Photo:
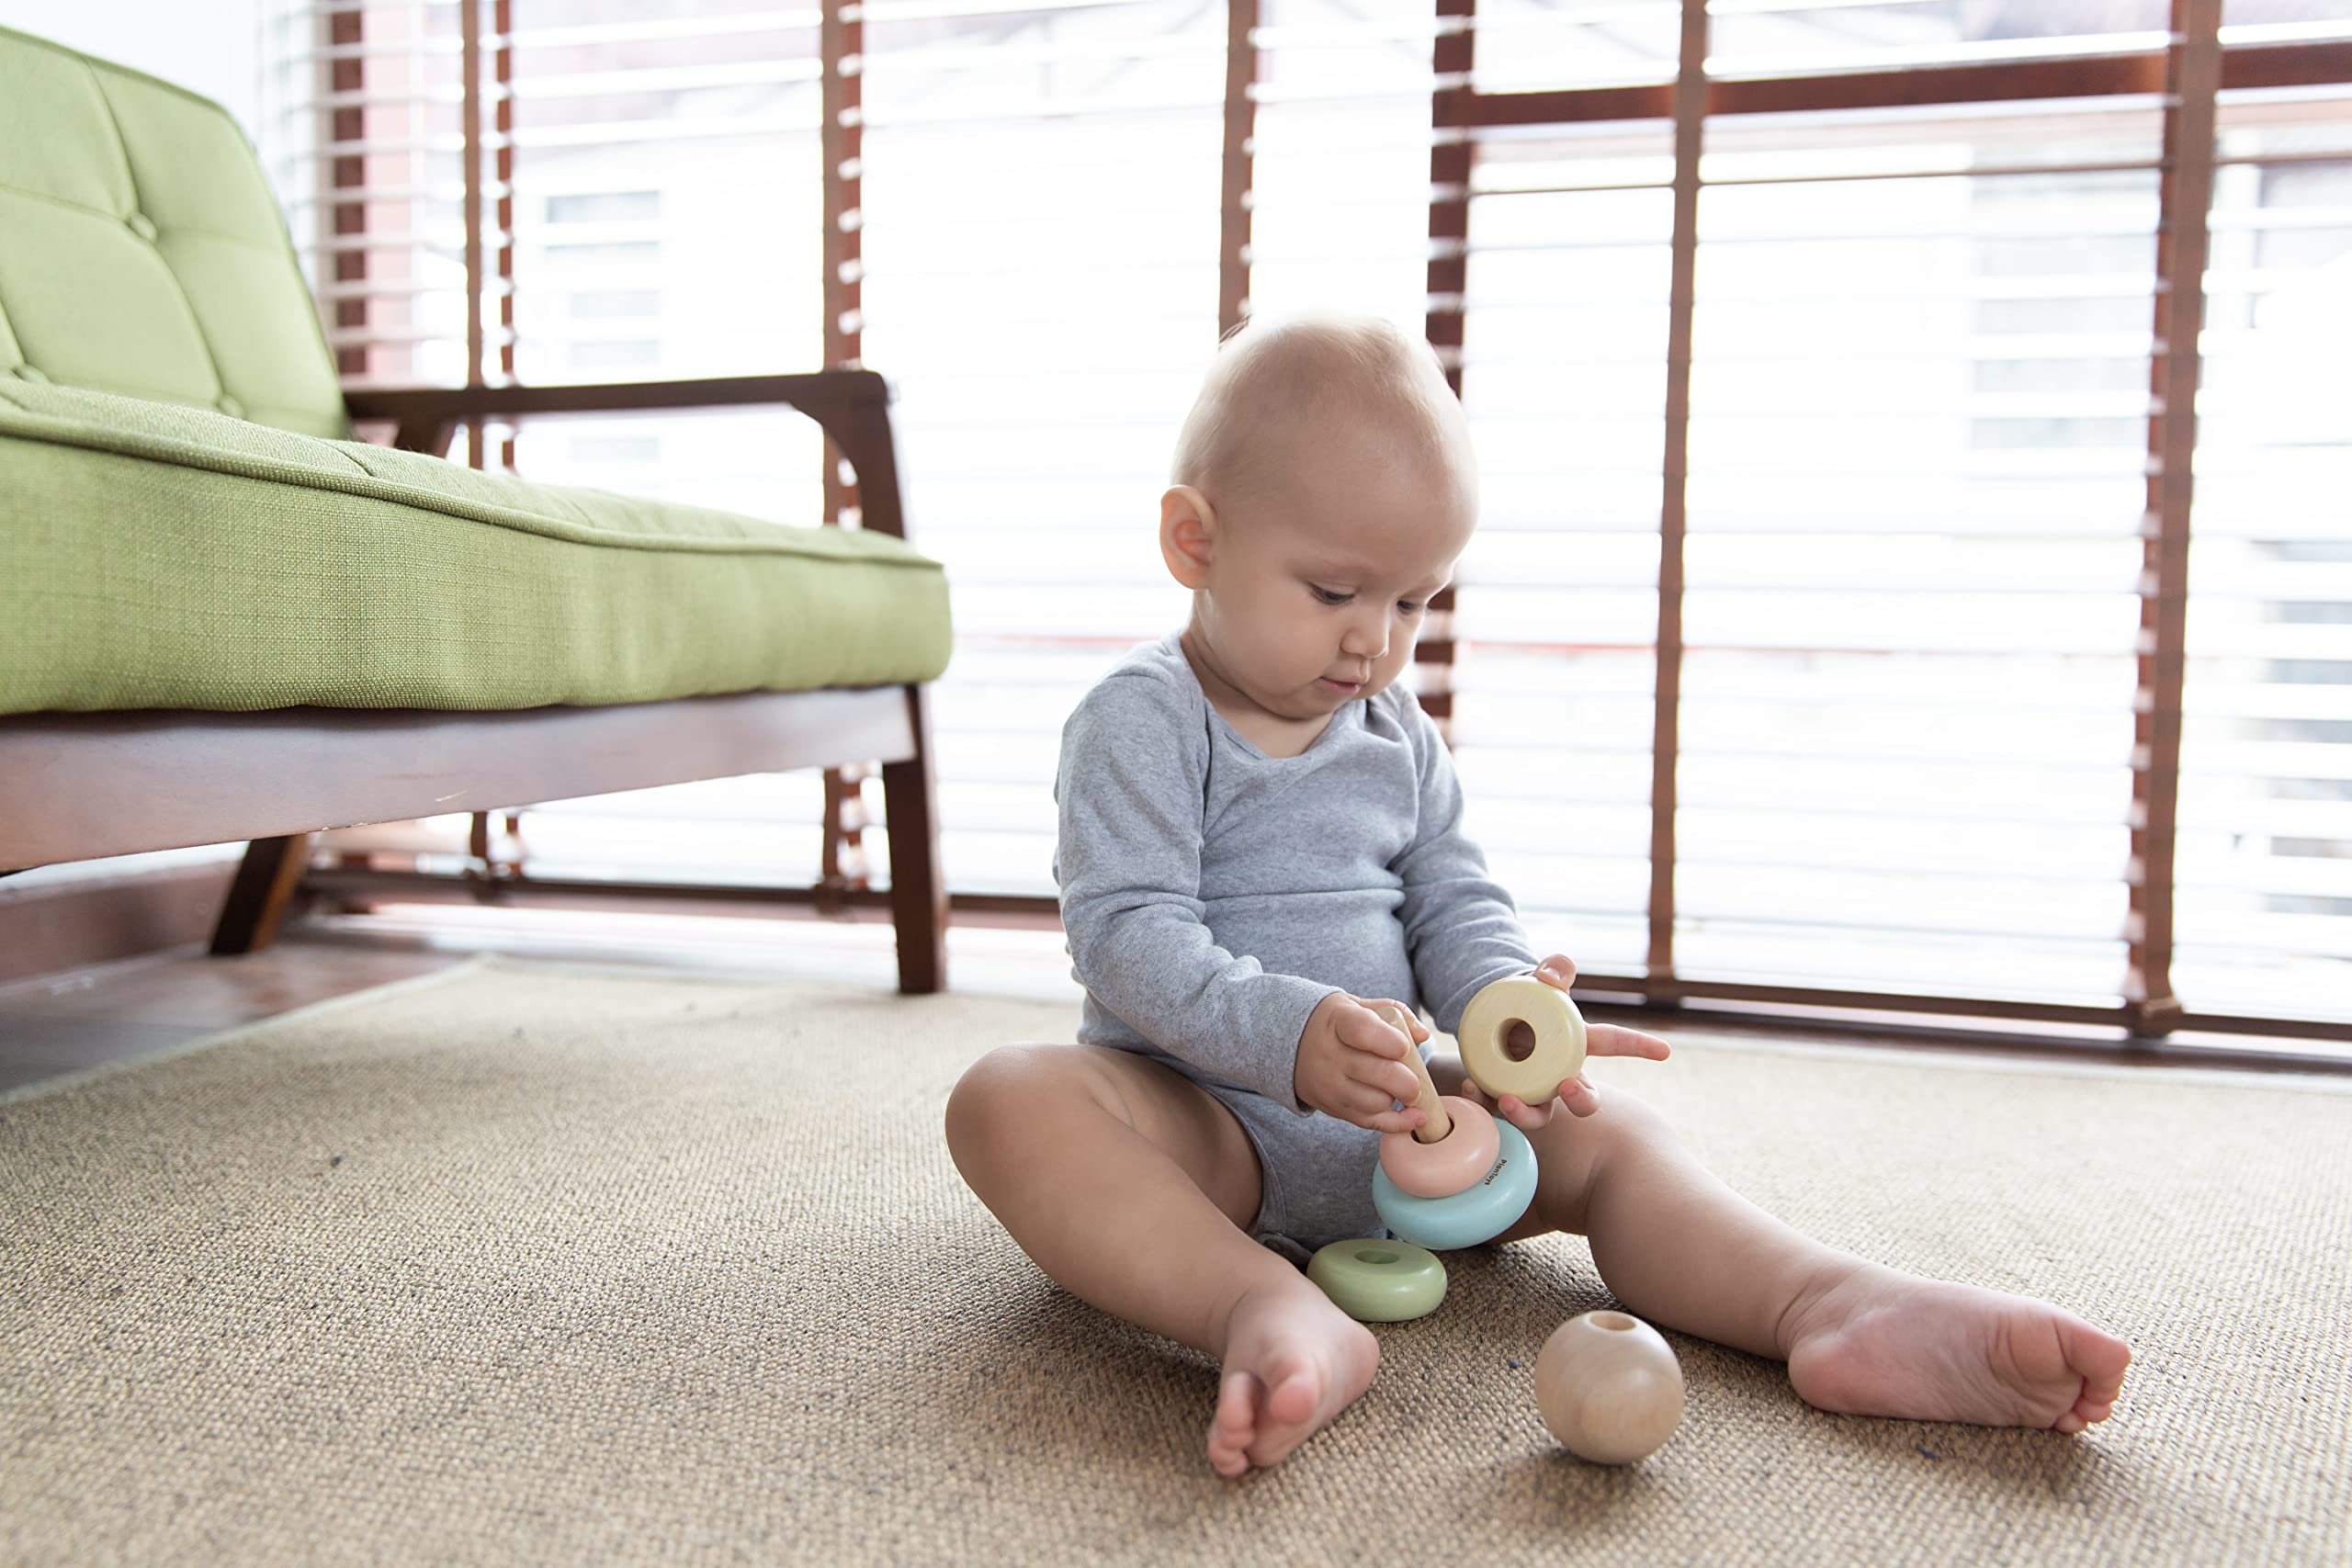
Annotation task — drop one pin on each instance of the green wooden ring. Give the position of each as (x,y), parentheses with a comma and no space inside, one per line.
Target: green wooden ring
(1379,1281)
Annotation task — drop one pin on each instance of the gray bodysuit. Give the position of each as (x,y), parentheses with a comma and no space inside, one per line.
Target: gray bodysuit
(1214,895)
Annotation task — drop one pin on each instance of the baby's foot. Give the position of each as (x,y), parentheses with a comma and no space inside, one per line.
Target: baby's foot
(1883,1343)
(1292,1362)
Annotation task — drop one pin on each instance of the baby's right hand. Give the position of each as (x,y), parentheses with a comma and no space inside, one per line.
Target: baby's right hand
(1352,1064)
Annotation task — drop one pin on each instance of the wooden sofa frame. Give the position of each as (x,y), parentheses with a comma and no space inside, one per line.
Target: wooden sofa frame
(80,786)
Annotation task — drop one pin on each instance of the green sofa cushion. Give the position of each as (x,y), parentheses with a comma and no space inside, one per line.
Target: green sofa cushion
(168,556)
(141,251)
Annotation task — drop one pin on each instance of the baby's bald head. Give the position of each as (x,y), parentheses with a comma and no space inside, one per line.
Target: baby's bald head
(1354,390)
(1324,493)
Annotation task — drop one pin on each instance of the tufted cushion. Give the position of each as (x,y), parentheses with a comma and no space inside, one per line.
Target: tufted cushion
(141,251)
(160,556)
(162,547)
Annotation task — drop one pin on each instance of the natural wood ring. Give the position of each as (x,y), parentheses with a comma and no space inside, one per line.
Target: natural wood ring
(1522,1036)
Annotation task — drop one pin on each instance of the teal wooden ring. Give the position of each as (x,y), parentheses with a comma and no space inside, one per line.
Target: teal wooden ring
(1379,1281)
(1481,1213)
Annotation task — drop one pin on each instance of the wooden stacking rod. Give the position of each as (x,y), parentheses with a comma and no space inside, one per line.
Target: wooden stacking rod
(1439,1123)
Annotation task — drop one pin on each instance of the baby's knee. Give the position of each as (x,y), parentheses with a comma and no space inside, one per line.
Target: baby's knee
(1623,1126)
(1005,1094)
(1636,1116)
(990,1091)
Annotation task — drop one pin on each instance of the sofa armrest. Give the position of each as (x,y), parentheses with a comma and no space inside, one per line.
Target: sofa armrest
(852,407)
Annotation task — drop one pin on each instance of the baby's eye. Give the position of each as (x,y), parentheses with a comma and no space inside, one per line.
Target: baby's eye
(1326,596)
(1409,606)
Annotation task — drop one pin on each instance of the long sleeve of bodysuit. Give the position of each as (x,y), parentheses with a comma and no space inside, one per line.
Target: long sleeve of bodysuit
(1461,925)
(1129,791)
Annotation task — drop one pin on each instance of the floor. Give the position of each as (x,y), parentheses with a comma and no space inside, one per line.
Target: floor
(55,1024)
(408,1291)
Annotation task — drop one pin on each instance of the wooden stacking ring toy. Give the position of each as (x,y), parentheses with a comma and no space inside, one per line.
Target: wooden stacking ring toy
(1522,1036)
(1461,1195)
(1456,1161)
(1609,1387)
(1479,1213)
(1379,1281)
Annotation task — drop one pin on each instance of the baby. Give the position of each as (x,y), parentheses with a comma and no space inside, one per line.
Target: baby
(1261,838)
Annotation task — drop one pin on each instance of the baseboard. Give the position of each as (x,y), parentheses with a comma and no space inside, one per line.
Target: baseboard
(70,925)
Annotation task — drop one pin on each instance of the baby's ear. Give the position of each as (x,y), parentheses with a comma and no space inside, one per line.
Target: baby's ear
(1187,527)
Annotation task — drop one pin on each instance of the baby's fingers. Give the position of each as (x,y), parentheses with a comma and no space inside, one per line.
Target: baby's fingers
(1510,1108)
(1525,1117)
(1615,1039)
(1367,1107)
(1578,1095)
(1385,1074)
(1381,1037)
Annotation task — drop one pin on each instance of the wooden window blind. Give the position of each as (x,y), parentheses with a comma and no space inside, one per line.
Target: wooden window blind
(631,193)
(2264,881)
(1921,551)
(1041,191)
(1914,432)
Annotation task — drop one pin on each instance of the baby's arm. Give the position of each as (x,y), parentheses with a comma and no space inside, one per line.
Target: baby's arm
(1461,926)
(1464,933)
(1128,864)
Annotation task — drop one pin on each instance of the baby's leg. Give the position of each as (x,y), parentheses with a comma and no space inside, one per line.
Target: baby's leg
(1677,1246)
(1131,1186)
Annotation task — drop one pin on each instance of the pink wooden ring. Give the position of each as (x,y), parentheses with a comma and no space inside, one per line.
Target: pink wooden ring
(1455,1163)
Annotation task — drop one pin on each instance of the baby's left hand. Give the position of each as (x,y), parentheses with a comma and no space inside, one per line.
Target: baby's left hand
(1577,1094)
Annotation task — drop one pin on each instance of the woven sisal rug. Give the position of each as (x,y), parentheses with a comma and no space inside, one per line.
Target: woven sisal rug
(537,1263)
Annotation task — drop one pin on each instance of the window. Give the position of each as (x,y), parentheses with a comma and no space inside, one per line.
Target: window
(1857,585)
(2266,798)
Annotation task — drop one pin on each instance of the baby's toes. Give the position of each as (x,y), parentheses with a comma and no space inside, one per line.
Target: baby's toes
(2095,1361)
(2099,1359)
(1235,1425)
(1289,1412)
(2091,1411)
(1296,1399)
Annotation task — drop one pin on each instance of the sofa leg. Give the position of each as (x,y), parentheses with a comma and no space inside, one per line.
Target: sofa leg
(918,890)
(259,898)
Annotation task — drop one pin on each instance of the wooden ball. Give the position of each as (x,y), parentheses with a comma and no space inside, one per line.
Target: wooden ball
(1609,1387)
